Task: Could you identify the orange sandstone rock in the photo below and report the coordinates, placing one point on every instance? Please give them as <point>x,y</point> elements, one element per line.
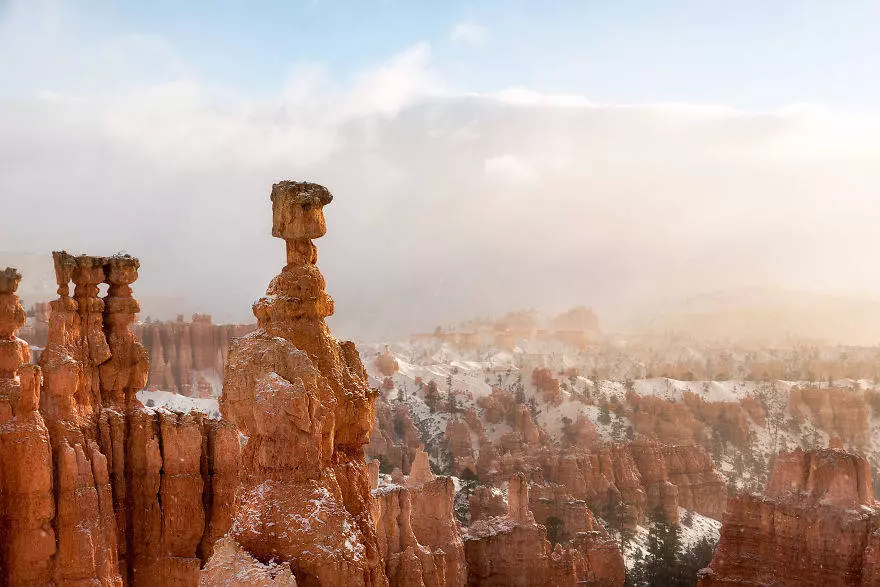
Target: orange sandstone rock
<point>27,508</point>
<point>231,566</point>
<point>94,488</point>
<point>302,399</point>
<point>837,411</point>
<point>188,357</point>
<point>814,525</point>
<point>386,363</point>
<point>513,550</point>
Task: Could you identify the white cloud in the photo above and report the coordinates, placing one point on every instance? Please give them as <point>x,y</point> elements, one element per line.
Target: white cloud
<point>527,97</point>
<point>616,202</point>
<point>468,32</point>
<point>510,168</point>
<point>405,78</point>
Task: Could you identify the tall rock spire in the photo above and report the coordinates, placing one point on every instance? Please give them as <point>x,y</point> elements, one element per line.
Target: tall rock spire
<point>14,352</point>
<point>302,399</point>
<point>126,372</point>
<point>27,538</point>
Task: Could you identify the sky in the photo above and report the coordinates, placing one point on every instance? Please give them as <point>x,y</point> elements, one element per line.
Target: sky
<point>485,156</point>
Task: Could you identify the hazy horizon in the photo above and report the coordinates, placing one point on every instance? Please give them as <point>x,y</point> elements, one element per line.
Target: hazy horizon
<point>465,185</point>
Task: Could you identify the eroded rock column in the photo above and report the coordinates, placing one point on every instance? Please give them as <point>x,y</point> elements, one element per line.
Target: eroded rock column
<point>27,539</point>
<point>303,400</point>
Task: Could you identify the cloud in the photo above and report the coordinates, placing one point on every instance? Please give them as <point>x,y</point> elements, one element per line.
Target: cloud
<point>510,168</point>
<point>468,32</point>
<point>405,78</point>
<point>527,97</point>
<point>447,206</point>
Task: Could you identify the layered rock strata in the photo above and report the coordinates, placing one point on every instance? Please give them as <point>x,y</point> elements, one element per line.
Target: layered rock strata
<point>302,399</point>
<point>27,507</point>
<point>641,476</point>
<point>514,550</point>
<point>189,357</point>
<point>96,489</point>
<point>815,524</point>
<point>419,538</point>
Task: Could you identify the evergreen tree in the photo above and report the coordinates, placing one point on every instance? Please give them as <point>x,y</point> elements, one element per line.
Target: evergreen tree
<point>555,530</point>
<point>604,414</point>
<point>567,435</point>
<point>693,559</point>
<point>617,429</point>
<point>432,394</point>
<point>453,405</point>
<point>660,567</point>
<point>469,482</point>
<point>384,465</point>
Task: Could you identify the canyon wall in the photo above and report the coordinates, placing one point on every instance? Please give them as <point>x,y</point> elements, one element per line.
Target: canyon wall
<point>419,538</point>
<point>513,549</point>
<point>185,357</point>
<point>815,524</point>
<point>95,488</point>
<point>188,357</point>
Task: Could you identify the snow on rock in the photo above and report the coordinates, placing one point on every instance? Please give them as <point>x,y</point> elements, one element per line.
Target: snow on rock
<point>174,402</point>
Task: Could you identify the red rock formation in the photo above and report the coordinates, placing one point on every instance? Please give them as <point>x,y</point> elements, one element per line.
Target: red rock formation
<point>82,478</point>
<point>518,501</point>
<point>814,525</point>
<point>27,538</point>
<point>421,469</point>
<point>667,421</point>
<point>406,561</point>
<point>838,411</point>
<point>419,538</point>
<point>727,417</point>
<point>188,357</point>
<point>458,439</point>
<point>577,327</point>
<point>496,406</point>
<point>302,399</point>
<point>642,475</point>
<point>394,437</point>
<point>486,502</point>
<point>754,409</point>
<point>569,515</point>
<point>548,385</point>
<point>386,363</point>
<point>434,523</point>
<point>700,487</point>
<point>513,550</point>
<point>233,567</point>
<point>573,522</point>
<point>524,423</point>
<point>583,433</point>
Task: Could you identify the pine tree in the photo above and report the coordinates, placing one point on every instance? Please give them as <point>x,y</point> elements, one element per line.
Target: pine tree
<point>664,543</point>
<point>432,394</point>
<point>604,414</point>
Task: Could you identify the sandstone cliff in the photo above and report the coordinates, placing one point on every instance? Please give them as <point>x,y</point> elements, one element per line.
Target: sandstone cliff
<point>189,357</point>
<point>514,550</point>
<point>94,488</point>
<point>419,538</point>
<point>815,524</point>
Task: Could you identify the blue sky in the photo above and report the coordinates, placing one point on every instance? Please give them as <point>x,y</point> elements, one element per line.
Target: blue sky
<point>749,54</point>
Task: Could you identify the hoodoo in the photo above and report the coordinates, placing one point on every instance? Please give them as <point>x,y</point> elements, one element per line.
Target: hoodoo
<point>302,399</point>
<point>95,488</point>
